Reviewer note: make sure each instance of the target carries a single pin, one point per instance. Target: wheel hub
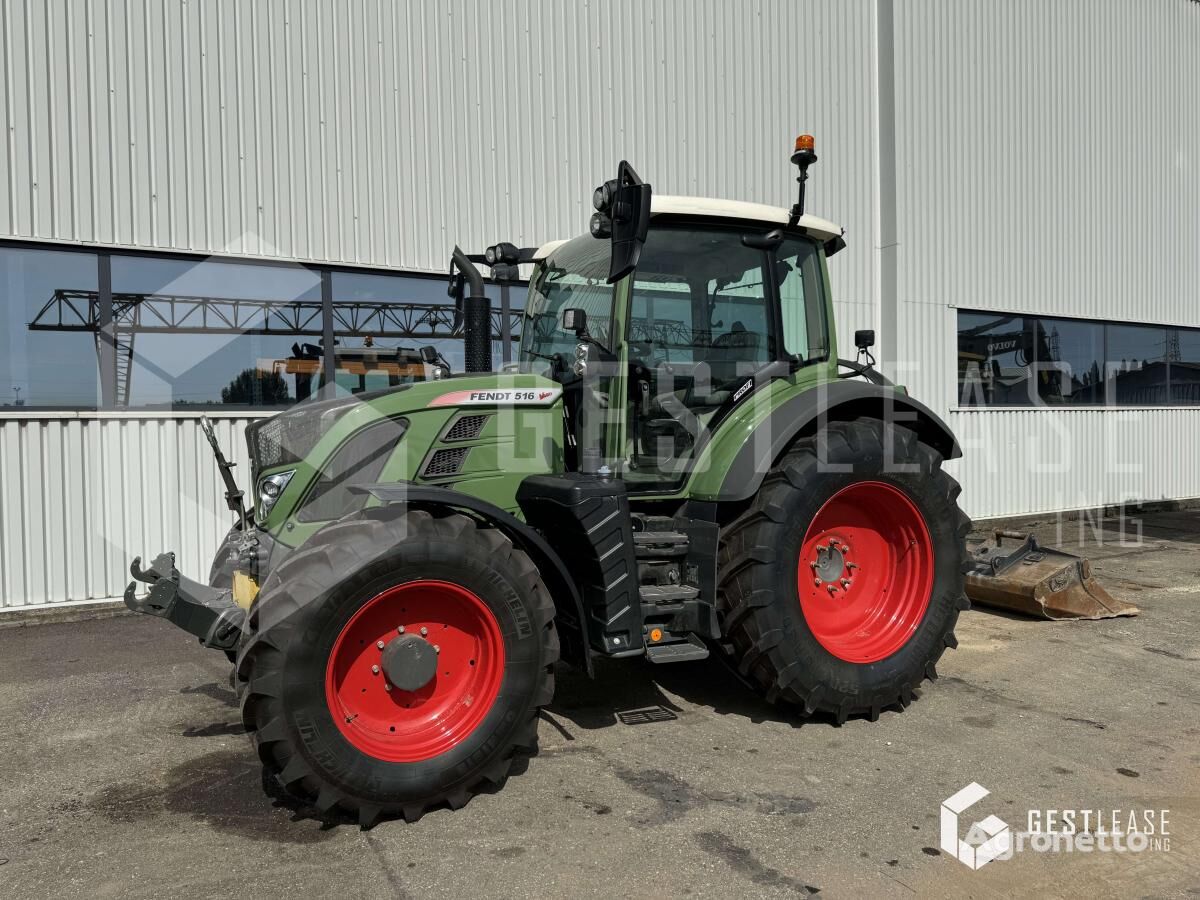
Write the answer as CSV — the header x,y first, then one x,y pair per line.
x,y
830,563
409,662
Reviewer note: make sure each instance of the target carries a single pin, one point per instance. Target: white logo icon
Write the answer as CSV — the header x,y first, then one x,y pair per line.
x,y
986,840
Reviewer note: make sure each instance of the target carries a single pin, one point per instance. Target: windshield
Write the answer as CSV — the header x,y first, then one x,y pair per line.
x,y
574,276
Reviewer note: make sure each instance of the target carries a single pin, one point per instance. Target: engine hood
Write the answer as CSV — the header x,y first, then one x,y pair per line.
x,y
491,389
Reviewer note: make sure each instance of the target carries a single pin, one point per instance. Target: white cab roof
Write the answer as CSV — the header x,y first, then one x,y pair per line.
x,y
710,208
738,209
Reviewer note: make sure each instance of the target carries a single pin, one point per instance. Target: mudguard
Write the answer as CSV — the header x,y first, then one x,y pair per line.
x,y
568,604
832,401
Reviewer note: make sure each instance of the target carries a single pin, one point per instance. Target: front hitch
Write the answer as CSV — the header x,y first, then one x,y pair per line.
x,y
207,612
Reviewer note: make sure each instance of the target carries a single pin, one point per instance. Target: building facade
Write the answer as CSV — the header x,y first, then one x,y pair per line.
x,y
193,196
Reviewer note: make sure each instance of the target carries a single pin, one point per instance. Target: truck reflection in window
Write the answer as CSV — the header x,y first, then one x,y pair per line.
x,y
1010,360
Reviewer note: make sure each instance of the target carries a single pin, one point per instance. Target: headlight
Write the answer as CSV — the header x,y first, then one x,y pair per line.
x,y
269,490
581,360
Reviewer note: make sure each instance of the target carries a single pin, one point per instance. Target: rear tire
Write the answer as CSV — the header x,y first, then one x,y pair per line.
x,y
318,696
817,623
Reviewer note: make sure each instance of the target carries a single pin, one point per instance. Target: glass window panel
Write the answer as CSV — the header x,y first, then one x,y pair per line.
x,y
995,360
575,276
49,306
1069,357
402,313
1012,360
1137,365
215,333
802,300
700,295
1183,351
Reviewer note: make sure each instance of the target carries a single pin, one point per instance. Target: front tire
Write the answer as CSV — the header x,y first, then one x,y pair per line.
x,y
841,585
435,714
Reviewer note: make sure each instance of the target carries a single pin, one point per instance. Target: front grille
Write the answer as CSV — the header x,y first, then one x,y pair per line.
x,y
466,428
445,462
289,436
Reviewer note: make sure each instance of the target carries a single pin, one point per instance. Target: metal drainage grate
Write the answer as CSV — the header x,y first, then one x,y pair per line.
x,y
466,428
445,462
645,716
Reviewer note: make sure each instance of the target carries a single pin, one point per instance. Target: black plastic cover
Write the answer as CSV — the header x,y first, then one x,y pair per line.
x,y
586,520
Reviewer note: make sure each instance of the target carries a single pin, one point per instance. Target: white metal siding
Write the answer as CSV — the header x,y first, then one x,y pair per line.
x,y
1019,461
1047,162
382,133
1049,156
81,496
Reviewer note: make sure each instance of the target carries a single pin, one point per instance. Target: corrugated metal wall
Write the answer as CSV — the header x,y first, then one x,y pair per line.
x,y
1048,161
382,133
1045,161
374,133
80,496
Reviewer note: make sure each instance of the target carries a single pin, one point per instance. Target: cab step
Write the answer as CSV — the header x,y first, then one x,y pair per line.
x,y
666,594
683,651
660,544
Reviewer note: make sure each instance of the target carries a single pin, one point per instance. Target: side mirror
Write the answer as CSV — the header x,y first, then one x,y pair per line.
x,y
864,338
575,320
769,241
623,215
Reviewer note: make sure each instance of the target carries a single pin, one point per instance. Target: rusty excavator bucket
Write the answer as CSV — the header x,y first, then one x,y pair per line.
x,y
1023,576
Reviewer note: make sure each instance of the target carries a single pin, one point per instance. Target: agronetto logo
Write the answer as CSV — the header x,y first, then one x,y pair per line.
x,y
1091,830
986,839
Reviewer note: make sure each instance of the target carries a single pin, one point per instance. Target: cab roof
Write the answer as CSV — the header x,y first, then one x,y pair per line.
x,y
711,208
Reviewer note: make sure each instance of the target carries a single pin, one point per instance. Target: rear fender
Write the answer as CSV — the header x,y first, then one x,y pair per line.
x,y
804,413
568,605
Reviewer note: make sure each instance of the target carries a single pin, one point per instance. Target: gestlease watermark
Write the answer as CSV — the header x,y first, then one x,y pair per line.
x,y
1049,831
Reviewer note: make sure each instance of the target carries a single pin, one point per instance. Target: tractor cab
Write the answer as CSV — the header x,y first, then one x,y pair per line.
x,y
725,298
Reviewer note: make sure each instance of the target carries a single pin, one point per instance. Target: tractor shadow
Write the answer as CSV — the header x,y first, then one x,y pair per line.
x,y
623,692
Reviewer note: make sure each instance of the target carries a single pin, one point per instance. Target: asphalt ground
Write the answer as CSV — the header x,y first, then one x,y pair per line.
x,y
124,770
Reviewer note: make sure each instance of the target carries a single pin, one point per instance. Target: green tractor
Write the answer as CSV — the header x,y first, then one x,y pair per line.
x,y
678,465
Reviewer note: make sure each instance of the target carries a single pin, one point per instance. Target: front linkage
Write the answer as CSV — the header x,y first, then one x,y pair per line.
x,y
207,612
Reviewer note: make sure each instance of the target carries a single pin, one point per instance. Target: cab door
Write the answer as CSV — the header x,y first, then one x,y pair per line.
x,y
706,318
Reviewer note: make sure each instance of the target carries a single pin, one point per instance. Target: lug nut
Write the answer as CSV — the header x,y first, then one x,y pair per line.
x,y
379,644
813,564
424,631
400,629
832,588
851,565
386,686
845,583
817,582
437,649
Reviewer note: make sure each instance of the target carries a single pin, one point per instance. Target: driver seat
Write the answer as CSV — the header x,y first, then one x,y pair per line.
x,y
728,350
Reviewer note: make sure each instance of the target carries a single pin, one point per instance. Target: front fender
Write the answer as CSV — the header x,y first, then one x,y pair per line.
x,y
568,604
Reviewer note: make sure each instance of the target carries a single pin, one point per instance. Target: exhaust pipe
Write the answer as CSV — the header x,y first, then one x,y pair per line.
x,y
477,318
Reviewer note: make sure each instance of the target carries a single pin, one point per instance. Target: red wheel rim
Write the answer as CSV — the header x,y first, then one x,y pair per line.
x,y
865,572
389,723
